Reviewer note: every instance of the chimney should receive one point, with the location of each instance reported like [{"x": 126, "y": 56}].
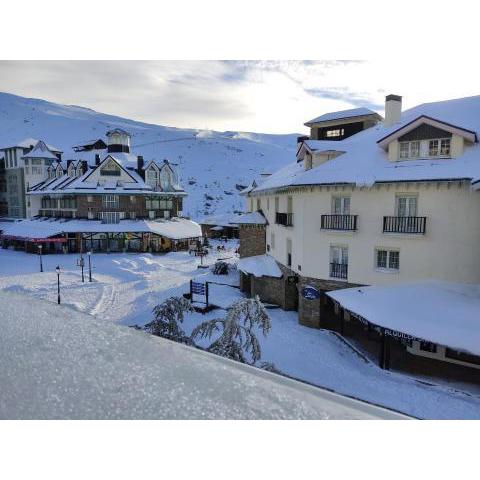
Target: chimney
[
  {"x": 97, "y": 159},
  {"x": 140, "y": 164},
  {"x": 393, "y": 109}
]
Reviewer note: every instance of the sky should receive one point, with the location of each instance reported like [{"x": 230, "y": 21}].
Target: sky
[{"x": 258, "y": 96}]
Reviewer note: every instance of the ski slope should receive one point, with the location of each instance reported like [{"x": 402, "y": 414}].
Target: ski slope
[{"x": 213, "y": 165}]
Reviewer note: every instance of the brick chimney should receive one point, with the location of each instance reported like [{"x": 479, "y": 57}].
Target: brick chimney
[
  {"x": 140, "y": 164},
  {"x": 393, "y": 109}
]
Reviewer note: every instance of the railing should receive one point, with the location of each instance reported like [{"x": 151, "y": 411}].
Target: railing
[
  {"x": 404, "y": 224},
  {"x": 339, "y": 222},
  {"x": 285, "y": 219},
  {"x": 338, "y": 270}
]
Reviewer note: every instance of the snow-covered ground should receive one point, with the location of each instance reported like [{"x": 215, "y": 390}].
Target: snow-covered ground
[{"x": 128, "y": 286}]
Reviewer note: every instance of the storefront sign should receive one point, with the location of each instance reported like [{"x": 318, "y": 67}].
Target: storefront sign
[
  {"x": 404, "y": 336},
  {"x": 310, "y": 293}
]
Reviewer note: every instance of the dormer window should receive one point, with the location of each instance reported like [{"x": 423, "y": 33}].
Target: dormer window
[
  {"x": 152, "y": 177},
  {"x": 110, "y": 169},
  {"x": 439, "y": 148},
  {"x": 410, "y": 149},
  {"x": 339, "y": 132}
]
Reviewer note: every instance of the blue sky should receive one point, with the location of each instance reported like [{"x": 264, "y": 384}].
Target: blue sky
[{"x": 261, "y": 96}]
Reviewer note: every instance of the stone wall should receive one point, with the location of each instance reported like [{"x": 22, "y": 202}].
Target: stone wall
[
  {"x": 252, "y": 240},
  {"x": 310, "y": 311}
]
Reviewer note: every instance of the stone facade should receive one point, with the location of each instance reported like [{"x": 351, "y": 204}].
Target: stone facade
[
  {"x": 252, "y": 240},
  {"x": 311, "y": 311}
]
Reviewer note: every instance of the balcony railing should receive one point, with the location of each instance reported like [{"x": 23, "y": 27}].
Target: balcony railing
[
  {"x": 285, "y": 219},
  {"x": 338, "y": 270},
  {"x": 339, "y": 222},
  {"x": 404, "y": 225}
]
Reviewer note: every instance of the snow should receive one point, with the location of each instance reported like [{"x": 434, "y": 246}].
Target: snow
[
  {"x": 365, "y": 163},
  {"x": 28, "y": 142},
  {"x": 175, "y": 228},
  {"x": 74, "y": 366},
  {"x": 221, "y": 220},
  {"x": 353, "y": 112},
  {"x": 40, "y": 150},
  {"x": 260, "y": 266},
  {"x": 210, "y": 168},
  {"x": 252, "y": 218},
  {"x": 126, "y": 287},
  {"x": 436, "y": 311}
]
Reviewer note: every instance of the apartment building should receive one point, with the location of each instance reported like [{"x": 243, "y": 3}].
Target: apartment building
[{"x": 371, "y": 201}]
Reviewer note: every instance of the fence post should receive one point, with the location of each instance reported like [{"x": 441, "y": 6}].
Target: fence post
[
  {"x": 206, "y": 292},
  {"x": 191, "y": 291}
]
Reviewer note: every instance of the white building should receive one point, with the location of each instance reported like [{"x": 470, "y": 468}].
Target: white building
[{"x": 375, "y": 204}]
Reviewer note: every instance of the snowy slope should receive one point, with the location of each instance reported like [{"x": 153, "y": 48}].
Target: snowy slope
[{"x": 212, "y": 164}]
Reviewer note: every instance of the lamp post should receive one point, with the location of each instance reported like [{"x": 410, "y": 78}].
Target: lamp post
[
  {"x": 58, "y": 283},
  {"x": 40, "y": 255},
  {"x": 89, "y": 253}
]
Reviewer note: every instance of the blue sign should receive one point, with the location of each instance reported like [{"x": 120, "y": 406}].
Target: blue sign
[
  {"x": 198, "y": 288},
  {"x": 310, "y": 293}
]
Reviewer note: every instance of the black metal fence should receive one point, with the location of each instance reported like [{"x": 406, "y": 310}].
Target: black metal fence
[
  {"x": 338, "y": 270},
  {"x": 404, "y": 224},
  {"x": 339, "y": 222}
]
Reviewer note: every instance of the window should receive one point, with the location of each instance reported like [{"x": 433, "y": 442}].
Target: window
[
  {"x": 272, "y": 240},
  {"x": 151, "y": 214},
  {"x": 439, "y": 148},
  {"x": 335, "y": 133},
  {"x": 289, "y": 205},
  {"x": 388, "y": 259},
  {"x": 406, "y": 206},
  {"x": 462, "y": 356},
  {"x": 110, "y": 217},
  {"x": 289, "y": 252},
  {"x": 259, "y": 204},
  {"x": 110, "y": 169},
  {"x": 428, "y": 347},
  {"x": 339, "y": 255},
  {"x": 277, "y": 204},
  {"x": 110, "y": 201},
  {"x": 268, "y": 203},
  {"x": 152, "y": 177},
  {"x": 166, "y": 178},
  {"x": 340, "y": 205},
  {"x": 132, "y": 215},
  {"x": 410, "y": 149},
  {"x": 89, "y": 198}
]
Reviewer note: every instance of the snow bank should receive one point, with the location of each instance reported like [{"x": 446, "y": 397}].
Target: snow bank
[
  {"x": 436, "y": 311},
  {"x": 252, "y": 218},
  {"x": 260, "y": 266},
  {"x": 73, "y": 366}
]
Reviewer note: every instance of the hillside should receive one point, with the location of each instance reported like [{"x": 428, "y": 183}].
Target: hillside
[{"x": 212, "y": 164}]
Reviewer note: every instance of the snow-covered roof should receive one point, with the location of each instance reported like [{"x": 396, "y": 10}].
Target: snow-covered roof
[
  {"x": 175, "y": 228},
  {"x": 117, "y": 130},
  {"x": 74, "y": 366},
  {"x": 222, "y": 220},
  {"x": 365, "y": 162},
  {"x": 252, "y": 218},
  {"x": 436, "y": 311},
  {"x": 28, "y": 142},
  {"x": 260, "y": 266},
  {"x": 40, "y": 150},
  {"x": 342, "y": 114}
]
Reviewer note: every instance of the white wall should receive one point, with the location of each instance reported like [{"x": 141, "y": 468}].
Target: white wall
[{"x": 449, "y": 249}]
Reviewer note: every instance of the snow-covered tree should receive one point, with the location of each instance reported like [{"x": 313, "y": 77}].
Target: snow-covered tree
[
  {"x": 237, "y": 339},
  {"x": 220, "y": 268},
  {"x": 168, "y": 317}
]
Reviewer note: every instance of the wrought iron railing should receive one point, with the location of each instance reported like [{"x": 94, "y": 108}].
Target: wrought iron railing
[
  {"x": 404, "y": 224},
  {"x": 339, "y": 222}
]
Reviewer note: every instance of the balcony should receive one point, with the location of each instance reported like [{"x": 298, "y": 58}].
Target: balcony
[
  {"x": 285, "y": 219},
  {"x": 414, "y": 225},
  {"x": 339, "y": 222},
  {"x": 338, "y": 270}
]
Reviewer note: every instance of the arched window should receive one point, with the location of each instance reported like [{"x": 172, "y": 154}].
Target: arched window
[
  {"x": 166, "y": 178},
  {"x": 152, "y": 177}
]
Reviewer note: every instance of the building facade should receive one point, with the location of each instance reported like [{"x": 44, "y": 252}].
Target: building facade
[
  {"x": 397, "y": 200},
  {"x": 105, "y": 200}
]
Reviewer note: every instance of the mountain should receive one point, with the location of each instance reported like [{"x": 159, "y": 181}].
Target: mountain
[{"x": 213, "y": 165}]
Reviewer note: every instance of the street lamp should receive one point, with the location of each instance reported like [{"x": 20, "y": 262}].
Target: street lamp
[
  {"x": 58, "y": 283},
  {"x": 40, "y": 255},
  {"x": 89, "y": 253}
]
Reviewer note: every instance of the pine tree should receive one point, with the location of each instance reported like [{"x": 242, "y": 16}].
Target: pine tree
[
  {"x": 237, "y": 338},
  {"x": 168, "y": 317}
]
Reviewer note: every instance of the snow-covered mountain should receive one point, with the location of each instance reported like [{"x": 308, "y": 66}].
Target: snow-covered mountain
[{"x": 213, "y": 165}]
